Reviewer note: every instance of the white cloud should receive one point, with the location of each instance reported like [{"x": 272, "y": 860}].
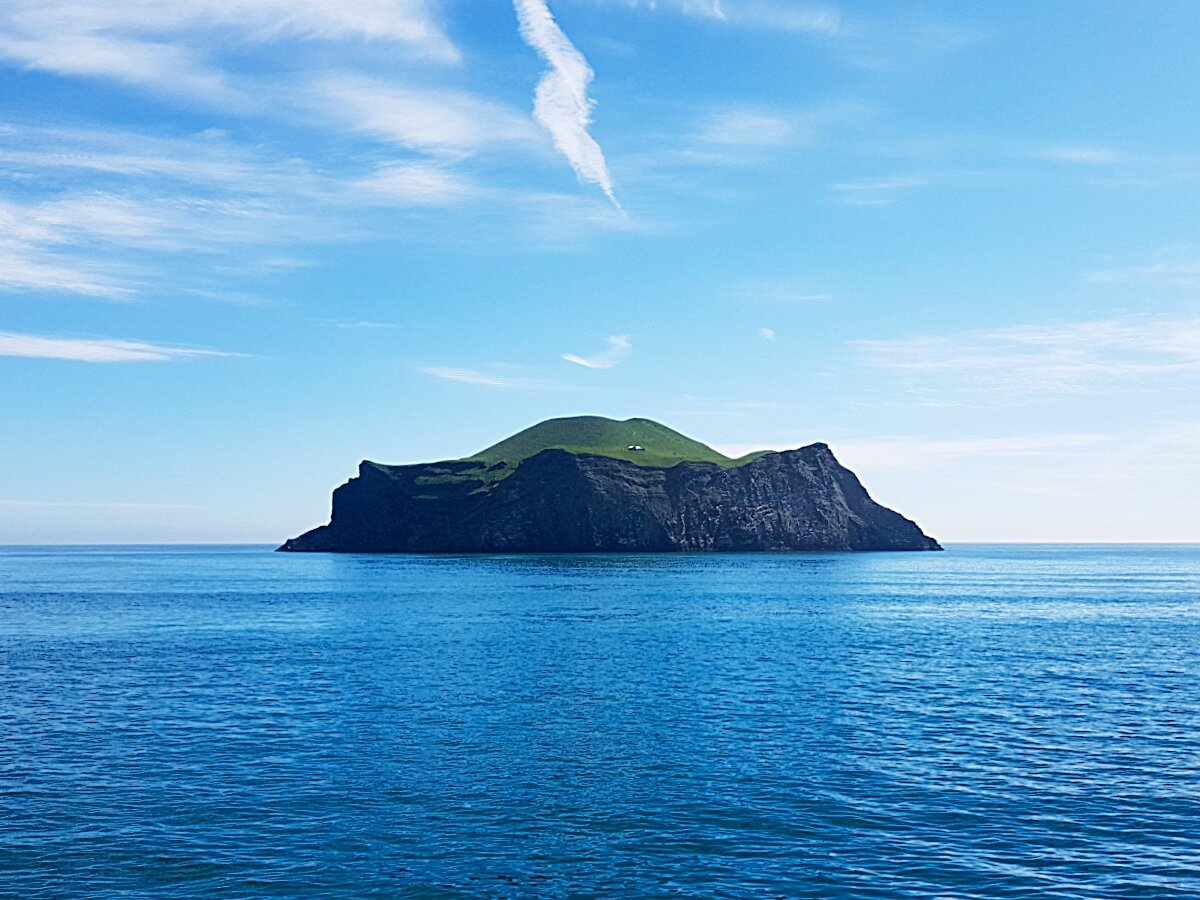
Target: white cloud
[
  {"x": 794, "y": 17},
  {"x": 1032, "y": 359},
  {"x": 902, "y": 453},
  {"x": 484, "y": 379},
  {"x": 28, "y": 269},
  {"x": 561, "y": 103},
  {"x": 94, "y": 350},
  {"x": 895, "y": 453},
  {"x": 168, "y": 47},
  {"x": 150, "y": 199},
  {"x": 416, "y": 184},
  {"x": 767, "y": 334},
  {"x": 165, "y": 196},
  {"x": 362, "y": 324},
  {"x": 777, "y": 292},
  {"x": 747, "y": 127},
  {"x": 431, "y": 121},
  {"x": 618, "y": 348},
  {"x": 877, "y": 191},
  {"x": 1176, "y": 267},
  {"x": 408, "y": 22},
  {"x": 208, "y": 158},
  {"x": 75, "y": 243},
  {"x": 800, "y": 18},
  {"x": 1081, "y": 155}
]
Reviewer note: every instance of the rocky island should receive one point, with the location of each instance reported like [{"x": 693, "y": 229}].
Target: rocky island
[{"x": 590, "y": 484}]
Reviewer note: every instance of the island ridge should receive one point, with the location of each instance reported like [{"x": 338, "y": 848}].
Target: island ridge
[{"x": 591, "y": 484}]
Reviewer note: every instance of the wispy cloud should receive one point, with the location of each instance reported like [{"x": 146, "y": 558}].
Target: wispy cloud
[
  {"x": 80, "y": 243},
  {"x": 748, "y": 127},
  {"x": 1175, "y": 267},
  {"x": 1046, "y": 359},
  {"x": 799, "y": 18},
  {"x": 877, "y": 191},
  {"x": 780, "y": 293},
  {"x": 876, "y": 454},
  {"x": 487, "y": 379},
  {"x": 361, "y": 324},
  {"x": 169, "y": 47},
  {"x": 416, "y": 184},
  {"x": 150, "y": 200},
  {"x": 795, "y": 17},
  {"x": 860, "y": 39},
  {"x": 561, "y": 103},
  {"x": 206, "y": 158},
  {"x": 103, "y": 213},
  {"x": 1088, "y": 156},
  {"x": 158, "y": 65},
  {"x": 767, "y": 334},
  {"x": 705, "y": 411},
  {"x": 24, "y": 268},
  {"x": 407, "y": 22},
  {"x": 618, "y": 348},
  {"x": 895, "y": 453},
  {"x": 440, "y": 122},
  {"x": 94, "y": 350}
]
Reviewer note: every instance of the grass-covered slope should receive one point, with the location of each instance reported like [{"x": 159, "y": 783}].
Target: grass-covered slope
[
  {"x": 593, "y": 435},
  {"x": 577, "y": 435},
  {"x": 604, "y": 437}
]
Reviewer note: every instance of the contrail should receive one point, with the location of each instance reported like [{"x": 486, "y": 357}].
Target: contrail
[{"x": 561, "y": 103}]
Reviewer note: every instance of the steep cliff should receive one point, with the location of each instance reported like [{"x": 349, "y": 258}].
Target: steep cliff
[{"x": 559, "y": 500}]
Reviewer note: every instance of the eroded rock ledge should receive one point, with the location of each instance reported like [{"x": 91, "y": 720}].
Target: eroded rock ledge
[{"x": 557, "y": 501}]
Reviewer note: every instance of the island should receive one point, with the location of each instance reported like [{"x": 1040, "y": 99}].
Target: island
[{"x": 588, "y": 484}]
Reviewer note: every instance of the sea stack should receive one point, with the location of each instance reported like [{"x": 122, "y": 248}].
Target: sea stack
[{"x": 592, "y": 485}]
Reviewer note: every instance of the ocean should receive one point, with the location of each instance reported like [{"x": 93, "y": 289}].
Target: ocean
[{"x": 994, "y": 721}]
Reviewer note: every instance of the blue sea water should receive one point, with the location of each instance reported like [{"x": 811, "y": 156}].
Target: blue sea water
[{"x": 219, "y": 722}]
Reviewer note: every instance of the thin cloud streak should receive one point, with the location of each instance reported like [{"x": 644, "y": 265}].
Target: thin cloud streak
[
  {"x": 812, "y": 19},
  {"x": 1176, "y": 267},
  {"x": 877, "y": 454},
  {"x": 877, "y": 191},
  {"x": 776, "y": 293},
  {"x": 902, "y": 453},
  {"x": 486, "y": 379},
  {"x": 1086, "y": 156},
  {"x": 561, "y": 103},
  {"x": 26, "y": 269},
  {"x": 151, "y": 200},
  {"x": 362, "y": 324},
  {"x": 619, "y": 347},
  {"x": 1040, "y": 359},
  {"x": 745, "y": 127},
  {"x": 439, "y": 122},
  {"x": 167, "y": 47},
  {"x": 94, "y": 350},
  {"x": 415, "y": 184},
  {"x": 407, "y": 22}
]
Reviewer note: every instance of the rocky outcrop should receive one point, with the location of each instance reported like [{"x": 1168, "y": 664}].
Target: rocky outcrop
[{"x": 562, "y": 502}]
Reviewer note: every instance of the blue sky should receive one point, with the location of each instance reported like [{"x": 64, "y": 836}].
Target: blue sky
[{"x": 244, "y": 245}]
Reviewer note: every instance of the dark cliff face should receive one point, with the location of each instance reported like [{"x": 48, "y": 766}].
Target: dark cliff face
[{"x": 561, "y": 502}]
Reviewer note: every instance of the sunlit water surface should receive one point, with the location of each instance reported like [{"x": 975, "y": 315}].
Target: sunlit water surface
[{"x": 992, "y": 721}]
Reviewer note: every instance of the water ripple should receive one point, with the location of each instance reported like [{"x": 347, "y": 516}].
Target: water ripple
[{"x": 992, "y": 722}]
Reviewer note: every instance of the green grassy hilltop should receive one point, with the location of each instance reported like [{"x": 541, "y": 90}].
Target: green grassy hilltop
[
  {"x": 593, "y": 435},
  {"x": 606, "y": 437}
]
